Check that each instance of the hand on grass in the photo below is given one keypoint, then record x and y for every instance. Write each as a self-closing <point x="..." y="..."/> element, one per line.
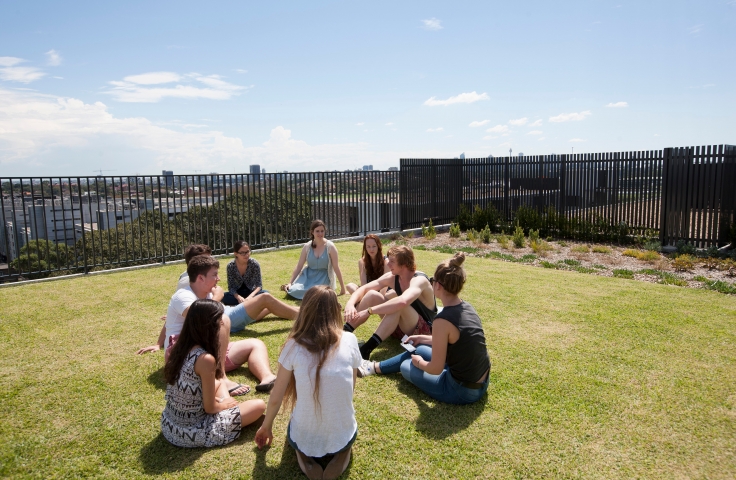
<point x="152" y="348"/>
<point x="263" y="437"/>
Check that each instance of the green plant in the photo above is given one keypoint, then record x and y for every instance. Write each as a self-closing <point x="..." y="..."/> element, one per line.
<point x="547" y="264"/>
<point x="623" y="273"/>
<point x="410" y="234"/>
<point x="431" y="232"/>
<point x="528" y="258"/>
<point x="599" y="266"/>
<point x="570" y="262"/>
<point x="584" y="269"/>
<point x="471" y="235"/>
<point x="700" y="278"/>
<point x="464" y="218"/>
<point x="503" y="240"/>
<point x="540" y="247"/>
<point x="670" y="279"/>
<point x="580" y="248"/>
<point x="518" y="237"/>
<point x="562" y="243"/>
<point x="684" y="248"/>
<point x="468" y="250"/>
<point x="711" y="263"/>
<point x="652" y="245"/>
<point x="419" y="247"/>
<point x="444" y="249"/>
<point x="683" y="263"/>
<point x="601" y="249"/>
<point x="454" y="230"/>
<point x="533" y="236"/>
<point x="721" y="286"/>
<point x="630" y="252"/>
<point x="648" y="256"/>
<point x="485" y="235"/>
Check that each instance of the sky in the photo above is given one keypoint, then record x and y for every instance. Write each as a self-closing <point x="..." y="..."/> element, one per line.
<point x="124" y="88"/>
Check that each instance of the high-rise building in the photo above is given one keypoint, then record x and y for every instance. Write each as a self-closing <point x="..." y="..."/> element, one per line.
<point x="255" y="169"/>
<point x="462" y="156"/>
<point x="367" y="167"/>
<point x="169" y="177"/>
<point x="393" y="169"/>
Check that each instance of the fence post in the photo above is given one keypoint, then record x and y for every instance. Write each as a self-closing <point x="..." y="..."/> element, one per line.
<point x="666" y="154"/>
<point x="81" y="220"/>
<point x="506" y="182"/>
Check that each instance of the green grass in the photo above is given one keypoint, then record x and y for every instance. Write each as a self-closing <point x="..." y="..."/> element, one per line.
<point x="665" y="278"/>
<point x="592" y="377"/>
<point x="623" y="273"/>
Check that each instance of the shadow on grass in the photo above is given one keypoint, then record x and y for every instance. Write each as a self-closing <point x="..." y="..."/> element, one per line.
<point x="157" y="379"/>
<point x="248" y="333"/>
<point x="288" y="468"/>
<point x="436" y="420"/>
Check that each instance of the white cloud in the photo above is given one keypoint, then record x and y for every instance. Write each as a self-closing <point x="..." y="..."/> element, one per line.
<point x="576" y="140"/>
<point x="470" y="97"/>
<point x="10" y="61"/>
<point x="478" y="123"/>
<point x="535" y="132"/>
<point x="21" y="74"/>
<point x="570" y="117"/>
<point x="618" y="105"/>
<point x="541" y="138"/>
<point x="432" y="24"/>
<point x="53" y="58"/>
<point x="695" y="29"/>
<point x="519" y="122"/>
<point x="240" y="70"/>
<point x="134" y="88"/>
<point x="536" y="123"/>
<point x="438" y="129"/>
<point x="389" y="124"/>
<point x="498" y="129"/>
<point x="360" y="124"/>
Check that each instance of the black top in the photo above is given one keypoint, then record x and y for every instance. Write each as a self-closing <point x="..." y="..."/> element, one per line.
<point x="251" y="279"/>
<point x="467" y="358"/>
<point x="423" y="311"/>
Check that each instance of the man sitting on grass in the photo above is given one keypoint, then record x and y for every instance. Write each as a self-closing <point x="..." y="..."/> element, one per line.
<point x="410" y="307"/>
<point x="203" y="277"/>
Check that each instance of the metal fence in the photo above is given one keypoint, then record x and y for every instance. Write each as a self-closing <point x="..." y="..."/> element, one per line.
<point x="585" y="192"/>
<point x="62" y="225"/>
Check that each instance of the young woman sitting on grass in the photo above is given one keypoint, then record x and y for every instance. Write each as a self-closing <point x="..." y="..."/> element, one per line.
<point x="372" y="264"/>
<point x="243" y="275"/>
<point x="452" y="364"/>
<point x="199" y="410"/>
<point x="317" y="371"/>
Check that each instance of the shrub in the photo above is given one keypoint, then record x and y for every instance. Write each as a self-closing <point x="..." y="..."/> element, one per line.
<point x="419" y="247"/>
<point x="429" y="232"/>
<point x="700" y="278"/>
<point x="528" y="258"/>
<point x="409" y="234"/>
<point x="541" y="247"/>
<point x="485" y="234"/>
<point x="518" y="237"/>
<point x="471" y="235"/>
<point x="547" y="264"/>
<point x="712" y="251"/>
<point x="630" y="252"/>
<point x="584" y="269"/>
<point x="468" y="250"/>
<point x="623" y="273"/>
<point x="485" y="216"/>
<point x="653" y="245"/>
<point x="454" y="230"/>
<point x="562" y="243"/>
<point x="684" y="248"/>
<point x="683" y="263"/>
<point x="648" y="256"/>
<point x="601" y="249"/>
<point x="503" y="240"/>
<point x="444" y="249"/>
<point x="533" y="236"/>
<point x="600" y="267"/>
<point x="720" y="286"/>
<point x="571" y="262"/>
<point x="464" y="218"/>
<point x="580" y="249"/>
<point x="670" y="279"/>
<point x="711" y="263"/>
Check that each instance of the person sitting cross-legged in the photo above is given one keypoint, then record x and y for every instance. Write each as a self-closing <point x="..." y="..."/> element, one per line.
<point x="411" y="306"/>
<point x="452" y="364"/>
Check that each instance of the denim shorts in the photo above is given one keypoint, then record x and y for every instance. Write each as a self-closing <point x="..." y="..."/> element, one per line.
<point x="239" y="318"/>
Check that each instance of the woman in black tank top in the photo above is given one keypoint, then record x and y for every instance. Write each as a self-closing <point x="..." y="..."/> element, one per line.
<point x="452" y="364"/>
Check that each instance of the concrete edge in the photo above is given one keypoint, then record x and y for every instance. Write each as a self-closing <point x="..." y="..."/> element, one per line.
<point x="439" y="228"/>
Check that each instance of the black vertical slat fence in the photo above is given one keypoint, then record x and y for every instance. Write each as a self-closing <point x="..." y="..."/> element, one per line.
<point x="65" y="225"/>
<point x="678" y="193"/>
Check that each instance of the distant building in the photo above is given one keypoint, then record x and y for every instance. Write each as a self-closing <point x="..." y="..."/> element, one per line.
<point x="521" y="154"/>
<point x="263" y="170"/>
<point x="255" y="169"/>
<point x="169" y="176"/>
<point x="367" y="167"/>
<point x="462" y="156"/>
<point x="393" y="169"/>
<point x="490" y="157"/>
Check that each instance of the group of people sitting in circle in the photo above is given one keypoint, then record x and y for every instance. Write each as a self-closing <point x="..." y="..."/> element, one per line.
<point x="446" y="355"/>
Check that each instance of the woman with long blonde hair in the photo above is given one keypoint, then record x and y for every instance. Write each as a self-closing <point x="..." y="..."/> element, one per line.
<point x="317" y="371"/>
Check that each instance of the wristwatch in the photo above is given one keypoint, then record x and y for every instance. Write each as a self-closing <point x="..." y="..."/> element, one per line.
<point x="370" y="311"/>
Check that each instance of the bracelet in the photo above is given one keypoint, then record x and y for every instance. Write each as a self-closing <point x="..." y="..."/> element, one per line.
<point x="370" y="311"/>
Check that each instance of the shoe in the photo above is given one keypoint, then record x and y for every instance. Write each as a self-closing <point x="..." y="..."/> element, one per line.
<point x="237" y="388"/>
<point x="337" y="465"/>
<point x="310" y="468"/>
<point x="265" y="387"/>
<point x="366" y="368"/>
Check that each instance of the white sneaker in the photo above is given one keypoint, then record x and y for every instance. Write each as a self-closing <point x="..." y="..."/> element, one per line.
<point x="366" y="368"/>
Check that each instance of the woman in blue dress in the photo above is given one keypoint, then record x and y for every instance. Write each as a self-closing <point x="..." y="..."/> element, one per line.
<point x="322" y="268"/>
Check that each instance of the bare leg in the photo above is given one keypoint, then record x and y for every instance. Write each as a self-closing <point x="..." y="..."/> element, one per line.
<point x="254" y="307"/>
<point x="370" y="299"/>
<point x="254" y="352"/>
<point x="224" y="342"/>
<point x="251" y="411"/>
<point x="406" y="319"/>
<point x="351" y="288"/>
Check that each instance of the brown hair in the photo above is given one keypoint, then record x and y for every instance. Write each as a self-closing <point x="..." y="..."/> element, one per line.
<point x="318" y="327"/>
<point x="196" y="249"/>
<point x="404" y="256"/>
<point x="201" y="327"/>
<point x="201" y="265"/>
<point x="240" y="244"/>
<point x="315" y="224"/>
<point x="451" y="274"/>
<point x="373" y="267"/>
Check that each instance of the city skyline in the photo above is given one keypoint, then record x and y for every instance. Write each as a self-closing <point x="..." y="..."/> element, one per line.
<point x="140" y="88"/>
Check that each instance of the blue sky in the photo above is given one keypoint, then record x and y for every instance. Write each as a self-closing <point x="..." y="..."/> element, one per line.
<point x="137" y="87"/>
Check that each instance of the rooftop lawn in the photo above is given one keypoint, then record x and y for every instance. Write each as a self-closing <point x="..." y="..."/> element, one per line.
<point x="592" y="377"/>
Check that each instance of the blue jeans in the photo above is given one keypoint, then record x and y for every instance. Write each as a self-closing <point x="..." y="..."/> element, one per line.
<point x="239" y="318"/>
<point x="441" y="387"/>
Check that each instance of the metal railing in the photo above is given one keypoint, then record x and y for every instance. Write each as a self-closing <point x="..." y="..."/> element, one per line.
<point x="63" y="225"/>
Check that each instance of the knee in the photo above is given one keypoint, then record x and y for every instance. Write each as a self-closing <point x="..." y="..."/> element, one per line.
<point x="226" y="323"/>
<point x="406" y="367"/>
<point x="373" y="296"/>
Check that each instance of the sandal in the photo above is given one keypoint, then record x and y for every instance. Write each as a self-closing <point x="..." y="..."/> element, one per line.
<point x="238" y="387"/>
<point x="265" y="387"/>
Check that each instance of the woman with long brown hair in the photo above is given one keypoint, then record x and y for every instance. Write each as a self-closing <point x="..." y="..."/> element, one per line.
<point x="199" y="410"/>
<point x="317" y="372"/>
<point x="372" y="263"/>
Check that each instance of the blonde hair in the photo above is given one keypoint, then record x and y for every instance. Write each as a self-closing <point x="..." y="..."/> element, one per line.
<point x="318" y="328"/>
<point x="404" y="256"/>
<point x="451" y="274"/>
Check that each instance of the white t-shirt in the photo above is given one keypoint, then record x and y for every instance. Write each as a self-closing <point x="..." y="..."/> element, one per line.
<point x="327" y="430"/>
<point x="183" y="281"/>
<point x="180" y="301"/>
